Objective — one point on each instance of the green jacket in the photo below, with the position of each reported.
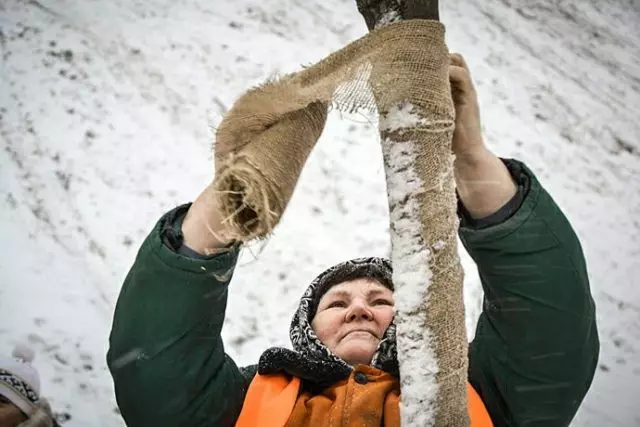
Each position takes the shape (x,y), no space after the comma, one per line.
(532,359)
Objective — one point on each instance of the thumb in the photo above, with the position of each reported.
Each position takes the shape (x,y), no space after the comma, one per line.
(462,89)
(459,73)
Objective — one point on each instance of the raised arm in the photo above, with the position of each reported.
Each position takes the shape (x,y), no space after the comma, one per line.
(166,355)
(536,344)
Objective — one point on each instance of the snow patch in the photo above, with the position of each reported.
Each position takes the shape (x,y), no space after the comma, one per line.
(439,245)
(401,116)
(405,115)
(388,18)
(562,108)
(411,276)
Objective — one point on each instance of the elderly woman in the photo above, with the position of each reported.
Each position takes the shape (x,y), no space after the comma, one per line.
(531,362)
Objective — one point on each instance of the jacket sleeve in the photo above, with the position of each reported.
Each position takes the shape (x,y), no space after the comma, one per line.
(166,354)
(536,344)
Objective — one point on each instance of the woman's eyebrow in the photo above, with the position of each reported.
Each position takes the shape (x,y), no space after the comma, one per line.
(343,294)
(374,292)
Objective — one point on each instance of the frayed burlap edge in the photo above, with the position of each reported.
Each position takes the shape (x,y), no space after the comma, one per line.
(273,127)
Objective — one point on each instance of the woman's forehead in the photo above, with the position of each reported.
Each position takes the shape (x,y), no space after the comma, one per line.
(362,285)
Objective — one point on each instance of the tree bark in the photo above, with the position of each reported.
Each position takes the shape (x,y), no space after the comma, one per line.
(377,13)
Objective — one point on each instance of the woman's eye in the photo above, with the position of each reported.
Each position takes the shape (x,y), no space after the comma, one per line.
(337,304)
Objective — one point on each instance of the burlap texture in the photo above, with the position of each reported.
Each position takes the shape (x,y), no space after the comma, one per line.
(444,309)
(265,139)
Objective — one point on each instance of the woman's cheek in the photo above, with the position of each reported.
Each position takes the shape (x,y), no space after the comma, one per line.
(386,315)
(323,327)
(331,329)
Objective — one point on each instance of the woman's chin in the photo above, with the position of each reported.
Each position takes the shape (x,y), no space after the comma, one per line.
(357,350)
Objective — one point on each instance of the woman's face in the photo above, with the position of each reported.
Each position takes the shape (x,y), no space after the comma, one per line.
(352,317)
(10,415)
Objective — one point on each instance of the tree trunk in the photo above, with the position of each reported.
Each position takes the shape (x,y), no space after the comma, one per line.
(416,144)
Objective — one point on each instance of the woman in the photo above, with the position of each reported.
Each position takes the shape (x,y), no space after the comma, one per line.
(20,402)
(531,362)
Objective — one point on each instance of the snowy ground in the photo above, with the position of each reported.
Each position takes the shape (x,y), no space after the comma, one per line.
(105,109)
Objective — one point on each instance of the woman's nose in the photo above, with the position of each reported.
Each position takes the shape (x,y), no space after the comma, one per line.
(359,310)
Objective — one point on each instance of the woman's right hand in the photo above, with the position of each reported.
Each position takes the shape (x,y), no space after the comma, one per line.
(203,227)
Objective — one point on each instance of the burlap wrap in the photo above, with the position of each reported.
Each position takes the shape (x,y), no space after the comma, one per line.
(264,140)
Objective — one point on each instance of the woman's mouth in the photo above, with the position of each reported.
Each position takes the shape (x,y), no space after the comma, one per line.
(361,332)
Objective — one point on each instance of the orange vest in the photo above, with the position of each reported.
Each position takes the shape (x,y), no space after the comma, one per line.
(276,401)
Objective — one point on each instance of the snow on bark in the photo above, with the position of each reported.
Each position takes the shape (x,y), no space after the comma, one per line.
(405,116)
(399,117)
(440,244)
(388,18)
(411,277)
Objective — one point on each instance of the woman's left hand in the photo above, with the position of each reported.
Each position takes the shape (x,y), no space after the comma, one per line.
(483,182)
(467,136)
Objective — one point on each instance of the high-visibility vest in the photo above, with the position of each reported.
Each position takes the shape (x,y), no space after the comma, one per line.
(270,401)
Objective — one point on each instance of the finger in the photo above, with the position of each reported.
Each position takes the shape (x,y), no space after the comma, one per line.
(460,78)
(458,60)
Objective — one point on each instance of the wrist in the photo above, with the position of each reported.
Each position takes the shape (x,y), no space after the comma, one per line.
(473,158)
(483,182)
(203,228)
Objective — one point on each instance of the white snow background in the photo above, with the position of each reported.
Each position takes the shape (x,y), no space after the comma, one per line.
(105,114)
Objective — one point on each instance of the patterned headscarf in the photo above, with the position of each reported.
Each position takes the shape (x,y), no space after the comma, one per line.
(310,359)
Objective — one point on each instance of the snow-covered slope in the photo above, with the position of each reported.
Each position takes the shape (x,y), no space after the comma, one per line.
(105,108)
